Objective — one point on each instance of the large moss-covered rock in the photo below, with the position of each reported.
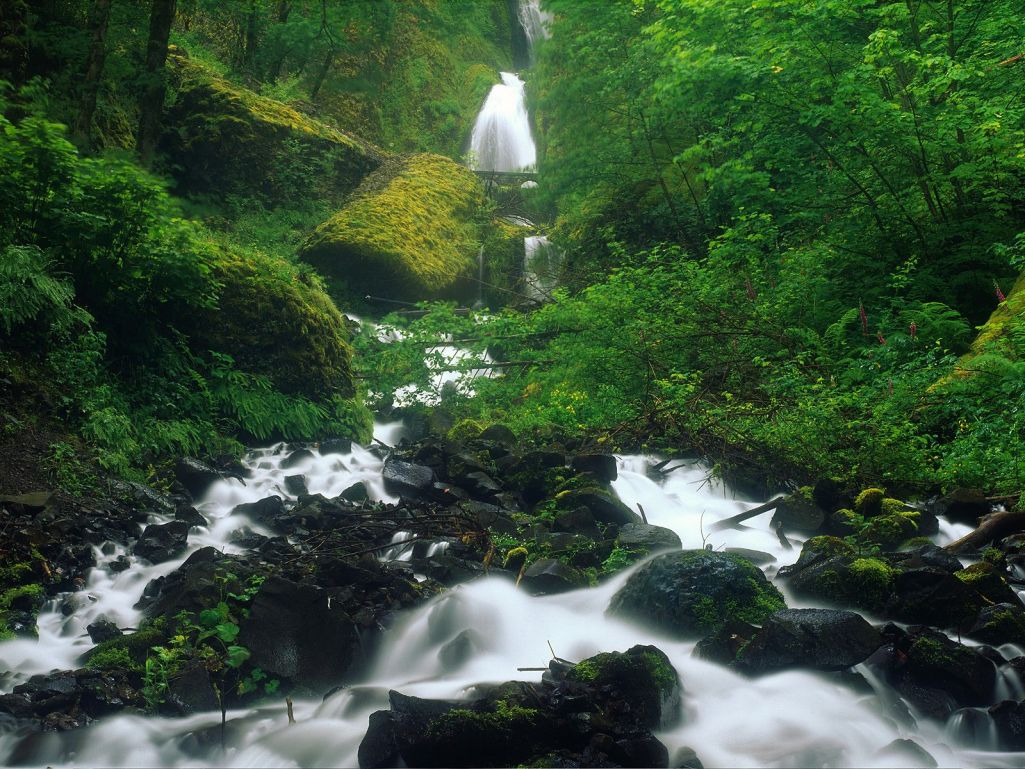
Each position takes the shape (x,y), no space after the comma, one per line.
(276,320)
(693,592)
(222,137)
(408,231)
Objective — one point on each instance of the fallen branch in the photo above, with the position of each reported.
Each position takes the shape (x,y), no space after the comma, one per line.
(993,527)
(1012,60)
(731,523)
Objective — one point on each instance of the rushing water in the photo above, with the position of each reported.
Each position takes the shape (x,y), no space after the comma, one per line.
(541,263)
(501,139)
(535,23)
(787,719)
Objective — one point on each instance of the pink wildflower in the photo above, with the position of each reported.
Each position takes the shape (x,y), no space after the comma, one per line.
(914,330)
(864,318)
(1000,294)
(880,337)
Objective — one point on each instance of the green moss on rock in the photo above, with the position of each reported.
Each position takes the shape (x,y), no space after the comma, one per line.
(409,231)
(276,320)
(869,502)
(223,137)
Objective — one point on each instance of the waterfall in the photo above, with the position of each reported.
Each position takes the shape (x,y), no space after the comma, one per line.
(535,23)
(501,139)
(541,262)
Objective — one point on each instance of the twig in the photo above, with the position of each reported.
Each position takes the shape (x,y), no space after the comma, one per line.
(731,523)
(643,516)
(554,655)
(291,715)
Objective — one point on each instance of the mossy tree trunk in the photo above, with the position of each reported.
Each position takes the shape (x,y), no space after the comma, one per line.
(99,19)
(152,102)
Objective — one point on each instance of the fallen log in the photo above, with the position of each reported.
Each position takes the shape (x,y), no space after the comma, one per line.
(731,523)
(992,527)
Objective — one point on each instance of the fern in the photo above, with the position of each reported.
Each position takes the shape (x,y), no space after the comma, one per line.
(27,290)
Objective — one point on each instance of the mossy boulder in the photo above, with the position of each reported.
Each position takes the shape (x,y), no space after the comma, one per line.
(408,232)
(869,502)
(503,263)
(999,624)
(985,579)
(221,138)
(693,592)
(276,320)
(799,512)
(642,676)
(602,503)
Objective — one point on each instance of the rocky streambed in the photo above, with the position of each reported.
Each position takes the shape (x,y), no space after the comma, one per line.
(467,600)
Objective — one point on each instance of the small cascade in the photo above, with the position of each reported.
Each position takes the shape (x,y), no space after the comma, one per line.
(541,263)
(501,139)
(535,23)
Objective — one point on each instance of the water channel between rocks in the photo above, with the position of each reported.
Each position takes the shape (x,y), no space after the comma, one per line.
(790,718)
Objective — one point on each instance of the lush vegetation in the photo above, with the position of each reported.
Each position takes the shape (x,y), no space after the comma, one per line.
(782,221)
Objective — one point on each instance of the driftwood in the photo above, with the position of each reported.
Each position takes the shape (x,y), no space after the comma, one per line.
(992,527)
(731,523)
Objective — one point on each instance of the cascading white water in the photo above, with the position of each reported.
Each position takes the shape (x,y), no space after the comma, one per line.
(541,263)
(501,139)
(535,23)
(786,719)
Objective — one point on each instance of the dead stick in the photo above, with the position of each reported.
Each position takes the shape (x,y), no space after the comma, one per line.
(643,516)
(994,526)
(291,715)
(730,523)
(554,655)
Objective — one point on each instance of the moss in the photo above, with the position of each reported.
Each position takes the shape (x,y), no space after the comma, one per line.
(888,531)
(408,232)
(274,150)
(871,582)
(891,506)
(869,502)
(276,320)
(503,263)
(115,658)
(136,646)
(462,723)
(984,578)
(519,554)
(465,429)
(828,546)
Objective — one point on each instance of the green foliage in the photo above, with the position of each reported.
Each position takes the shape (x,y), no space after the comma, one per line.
(127,308)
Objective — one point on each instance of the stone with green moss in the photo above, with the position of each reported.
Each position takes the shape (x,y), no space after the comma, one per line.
(869,502)
(19,608)
(985,578)
(693,592)
(465,429)
(999,624)
(888,531)
(276,151)
(642,676)
(276,320)
(408,232)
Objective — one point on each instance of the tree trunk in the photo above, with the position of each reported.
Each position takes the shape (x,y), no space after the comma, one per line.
(992,527)
(325,68)
(99,19)
(284,9)
(152,102)
(252,30)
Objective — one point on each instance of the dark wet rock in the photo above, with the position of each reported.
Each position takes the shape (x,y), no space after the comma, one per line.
(195,476)
(451,570)
(144,497)
(723,645)
(296,458)
(939,675)
(693,592)
(830,495)
(549,576)
(103,630)
(406,479)
(999,624)
(820,639)
(643,536)
(162,542)
(926,555)
(962,506)
(460,649)
(481,484)
(263,511)
(529,474)
(69,699)
(247,538)
(601,466)
(907,751)
(592,714)
(296,485)
(500,434)
(933,597)
(190,515)
(336,446)
(686,758)
(603,505)
(301,633)
(490,516)
(1009,720)
(799,512)
(27,504)
(190,690)
(356,493)
(579,520)
(119,564)
(194,585)
(757,557)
